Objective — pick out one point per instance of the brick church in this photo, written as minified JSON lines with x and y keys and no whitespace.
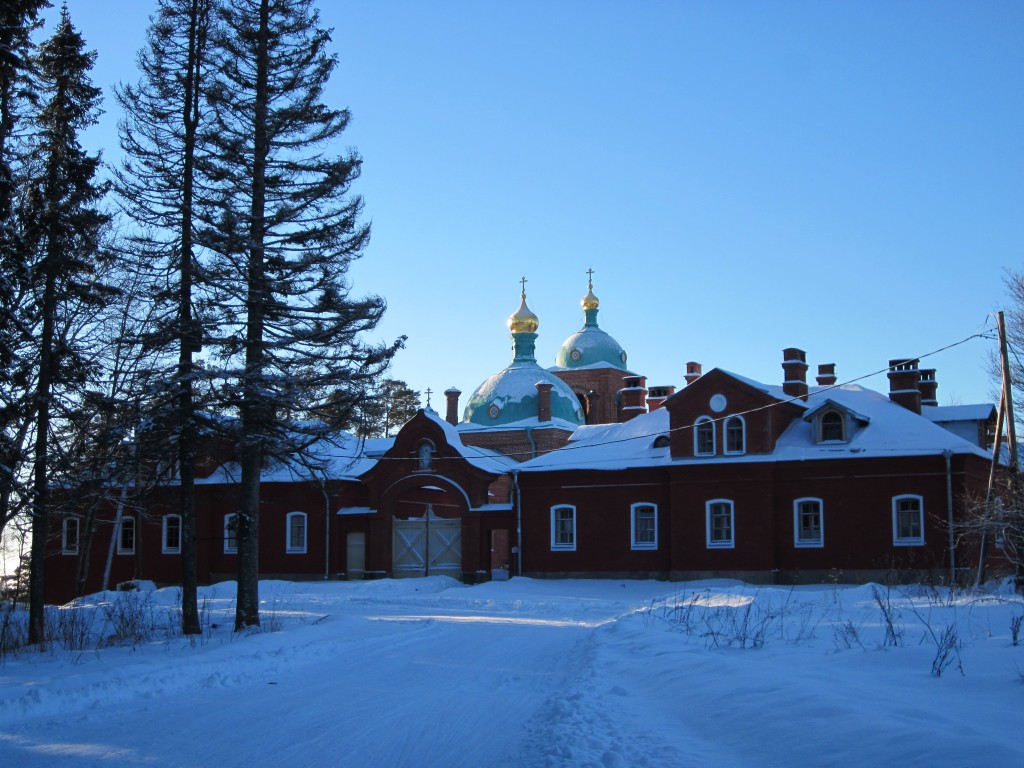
{"x":581,"y":469}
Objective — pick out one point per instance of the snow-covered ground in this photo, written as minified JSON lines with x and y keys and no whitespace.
{"x":429,"y":672}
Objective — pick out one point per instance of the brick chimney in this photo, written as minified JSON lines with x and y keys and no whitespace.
{"x":692,"y":373}
{"x":826,"y":374}
{"x":634,"y":397}
{"x":452,"y":412}
{"x":903,"y":380}
{"x":794,"y":367}
{"x":656,"y":396}
{"x":928,"y":386}
{"x":544,"y":400}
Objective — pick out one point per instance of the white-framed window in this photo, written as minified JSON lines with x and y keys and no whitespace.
{"x":735,"y":435}
{"x":643,"y":526}
{"x":720,"y":524}
{"x":126,"y":536}
{"x":704,"y":437}
{"x":231,"y":534}
{"x":808,"y":523}
{"x":171,"y":536}
{"x":69,"y":536}
{"x":832,"y":427}
{"x":563,"y":527}
{"x":907,"y":520}
{"x":296,"y":537}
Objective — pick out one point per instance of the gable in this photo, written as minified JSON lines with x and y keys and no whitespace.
{"x":427,"y":447}
{"x":718,"y":396}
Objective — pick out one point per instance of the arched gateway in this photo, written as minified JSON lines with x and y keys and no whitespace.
{"x":427,"y":546}
{"x":434,"y":507}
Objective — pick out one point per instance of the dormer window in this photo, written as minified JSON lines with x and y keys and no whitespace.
{"x":704,"y":437}
{"x":834,"y":422}
{"x":832,"y":427}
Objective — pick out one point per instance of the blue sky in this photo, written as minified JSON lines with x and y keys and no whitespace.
{"x":842,"y":177}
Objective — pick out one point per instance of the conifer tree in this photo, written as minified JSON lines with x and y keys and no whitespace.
{"x":18,"y":19}
{"x":285,"y":230}
{"x":63,"y":232}
{"x":161,"y":138}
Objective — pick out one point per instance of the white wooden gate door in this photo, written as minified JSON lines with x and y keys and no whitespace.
{"x":427,"y":546}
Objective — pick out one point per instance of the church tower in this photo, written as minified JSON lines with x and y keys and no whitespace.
{"x":593,"y":364}
{"x":522,"y":410}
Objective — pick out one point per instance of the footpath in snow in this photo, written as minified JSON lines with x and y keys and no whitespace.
{"x":430,"y":672}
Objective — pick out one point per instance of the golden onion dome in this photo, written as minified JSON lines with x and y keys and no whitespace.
{"x":523,"y":320}
{"x":590,"y":301}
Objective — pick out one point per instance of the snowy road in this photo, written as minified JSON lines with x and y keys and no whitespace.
{"x":377,"y":682}
{"x":423,"y":673}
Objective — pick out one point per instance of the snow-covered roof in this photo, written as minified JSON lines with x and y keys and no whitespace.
{"x":945,"y":414}
{"x":340,"y":456}
{"x":483,"y":458}
{"x":610,"y":446}
{"x":890,"y":430}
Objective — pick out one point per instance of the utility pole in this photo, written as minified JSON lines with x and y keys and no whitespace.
{"x":1005,"y":413}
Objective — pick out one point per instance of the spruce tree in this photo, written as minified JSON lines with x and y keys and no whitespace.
{"x":161,"y":139}
{"x":63,"y":232}
{"x":285,"y":231}
{"x":18,"y":20}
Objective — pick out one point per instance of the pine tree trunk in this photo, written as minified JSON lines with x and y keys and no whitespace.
{"x":188,"y":340}
{"x":40,"y":471}
{"x":254,"y":417}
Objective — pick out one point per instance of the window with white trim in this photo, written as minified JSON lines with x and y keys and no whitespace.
{"x":735,"y":435}
{"x":563,"y":527}
{"x":704,"y":437}
{"x":171,"y":536}
{"x":808,"y":523}
{"x":296,"y":537}
{"x":231,"y":534}
{"x":643,"y":526}
{"x":720,"y":524}
{"x":907,"y":520}
{"x":69,"y":536}
{"x":126,"y":536}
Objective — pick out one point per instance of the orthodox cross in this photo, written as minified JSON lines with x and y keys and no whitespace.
{"x":590,"y":278}
{"x":523,"y":283}
{"x":429,"y":393}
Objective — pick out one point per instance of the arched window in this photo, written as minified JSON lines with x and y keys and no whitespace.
{"x":231,"y":534}
{"x":643,"y":526}
{"x":563,"y":527}
{"x":69,"y":536}
{"x":296,"y":536}
{"x":704,"y":437}
{"x":126,"y":536}
{"x":833,"y":427}
{"x":907,"y":520}
{"x":808,"y":523}
{"x":720,"y":524}
{"x":735,"y":435}
{"x":171,"y":534}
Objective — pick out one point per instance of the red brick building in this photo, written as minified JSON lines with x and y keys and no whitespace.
{"x":582,"y":470}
